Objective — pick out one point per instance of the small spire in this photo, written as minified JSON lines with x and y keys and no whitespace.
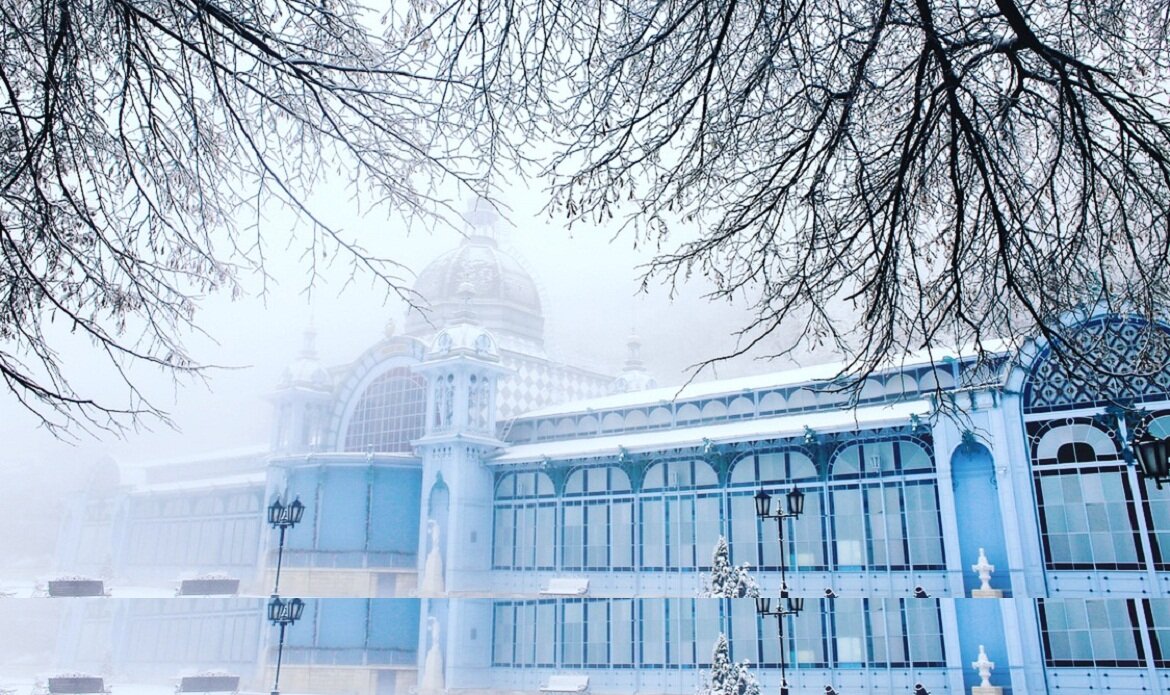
{"x":634,"y":376}
{"x":634,"y":352}
{"x":309,"y":341}
{"x":481,"y":217}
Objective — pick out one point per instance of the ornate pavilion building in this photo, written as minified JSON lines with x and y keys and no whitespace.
{"x":481,"y":517}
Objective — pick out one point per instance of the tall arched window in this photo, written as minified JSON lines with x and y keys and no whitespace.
{"x":389,"y":414}
{"x":597,"y":520}
{"x":881,"y":507}
{"x":675,"y":495}
{"x":754,"y":542}
{"x":1085,"y":497}
{"x":525,"y":522}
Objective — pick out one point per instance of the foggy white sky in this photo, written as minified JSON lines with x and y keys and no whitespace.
{"x":589,"y":290}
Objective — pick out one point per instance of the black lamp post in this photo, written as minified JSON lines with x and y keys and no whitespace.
{"x":283,"y":516}
{"x":1153,"y":456}
{"x":283,"y":613}
{"x":787,"y":605}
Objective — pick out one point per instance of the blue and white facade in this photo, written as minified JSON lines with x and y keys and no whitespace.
{"x":484,"y":518}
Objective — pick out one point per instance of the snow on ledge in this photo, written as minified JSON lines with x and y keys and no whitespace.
{"x":718,"y":433}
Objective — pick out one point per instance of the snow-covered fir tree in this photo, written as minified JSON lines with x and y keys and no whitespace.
{"x":727,"y":580}
{"x":727,"y":677}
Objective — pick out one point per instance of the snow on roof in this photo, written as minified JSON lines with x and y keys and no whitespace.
{"x":800,"y":375}
{"x":240,"y":480}
{"x":737,"y":431}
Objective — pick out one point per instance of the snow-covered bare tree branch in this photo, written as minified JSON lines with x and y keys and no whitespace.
{"x":880,"y":176}
{"x":141,"y":143}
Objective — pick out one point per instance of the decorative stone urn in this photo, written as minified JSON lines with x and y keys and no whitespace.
{"x":984,"y":569}
{"x":984,"y":666}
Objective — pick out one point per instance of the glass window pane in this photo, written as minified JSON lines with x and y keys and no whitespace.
{"x":504,"y":538}
{"x":503,"y":637}
{"x":849,"y":631}
{"x":807,"y":532}
{"x":545,"y":535}
{"x":572,"y":633}
{"x":653,"y":533}
{"x":597,"y":632}
{"x":546,"y":620}
{"x":622,"y":534}
{"x":621,"y":632}
{"x":653,"y":629}
{"x":808,"y":635}
{"x":572,"y":536}
{"x":848,"y":528}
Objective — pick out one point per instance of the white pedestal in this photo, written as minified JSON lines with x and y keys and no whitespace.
{"x":986,"y":593}
{"x":989,"y":690}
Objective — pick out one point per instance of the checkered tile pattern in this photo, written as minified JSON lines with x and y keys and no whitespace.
{"x":536,"y":383}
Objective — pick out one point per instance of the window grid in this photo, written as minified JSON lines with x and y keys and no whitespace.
{"x":883,"y":515}
{"x":680,"y":633}
{"x":390,"y":413}
{"x":1103,"y":633}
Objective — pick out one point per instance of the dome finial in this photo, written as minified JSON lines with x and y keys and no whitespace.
{"x":634,"y":351}
{"x":309,"y":341}
{"x":481,"y":217}
{"x":634,"y":376}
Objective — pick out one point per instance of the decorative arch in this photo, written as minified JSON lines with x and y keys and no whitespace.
{"x":1050,"y":443}
{"x":938,"y":378}
{"x":688,"y":412}
{"x":588,"y":425}
{"x":398,"y":351}
{"x":773,"y":401}
{"x":772,"y":468}
{"x":597,"y":479}
{"x":679,"y":474}
{"x":636,"y":420}
{"x":713,"y":410}
{"x":523,"y":485}
{"x":741,"y":407}
{"x":385,"y":411}
{"x":612,"y":422}
{"x":802,"y":398}
{"x":660,"y":417}
{"x":1134,"y":366}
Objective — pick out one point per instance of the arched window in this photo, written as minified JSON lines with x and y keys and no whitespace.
{"x":1085,"y":497}
{"x":754,"y":542}
{"x":597,"y":527}
{"x":389,"y":414}
{"x":880,"y":507}
{"x":524,"y":525}
{"x":675,"y":496}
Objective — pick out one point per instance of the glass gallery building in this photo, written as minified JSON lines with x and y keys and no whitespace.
{"x":483,"y":517}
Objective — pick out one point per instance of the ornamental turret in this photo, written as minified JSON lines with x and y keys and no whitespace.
{"x":302,"y":400}
{"x":462,"y":368}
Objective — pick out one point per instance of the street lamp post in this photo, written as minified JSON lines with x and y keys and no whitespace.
{"x":283,"y":516}
{"x":787,"y":605}
{"x":283,"y":613}
{"x":1153,"y":457}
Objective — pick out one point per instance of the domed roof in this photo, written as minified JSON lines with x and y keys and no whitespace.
{"x":504,"y":297}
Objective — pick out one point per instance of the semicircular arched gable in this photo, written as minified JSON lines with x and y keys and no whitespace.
{"x":1131,"y":364}
{"x":383,"y":410}
{"x":1049,"y":444}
